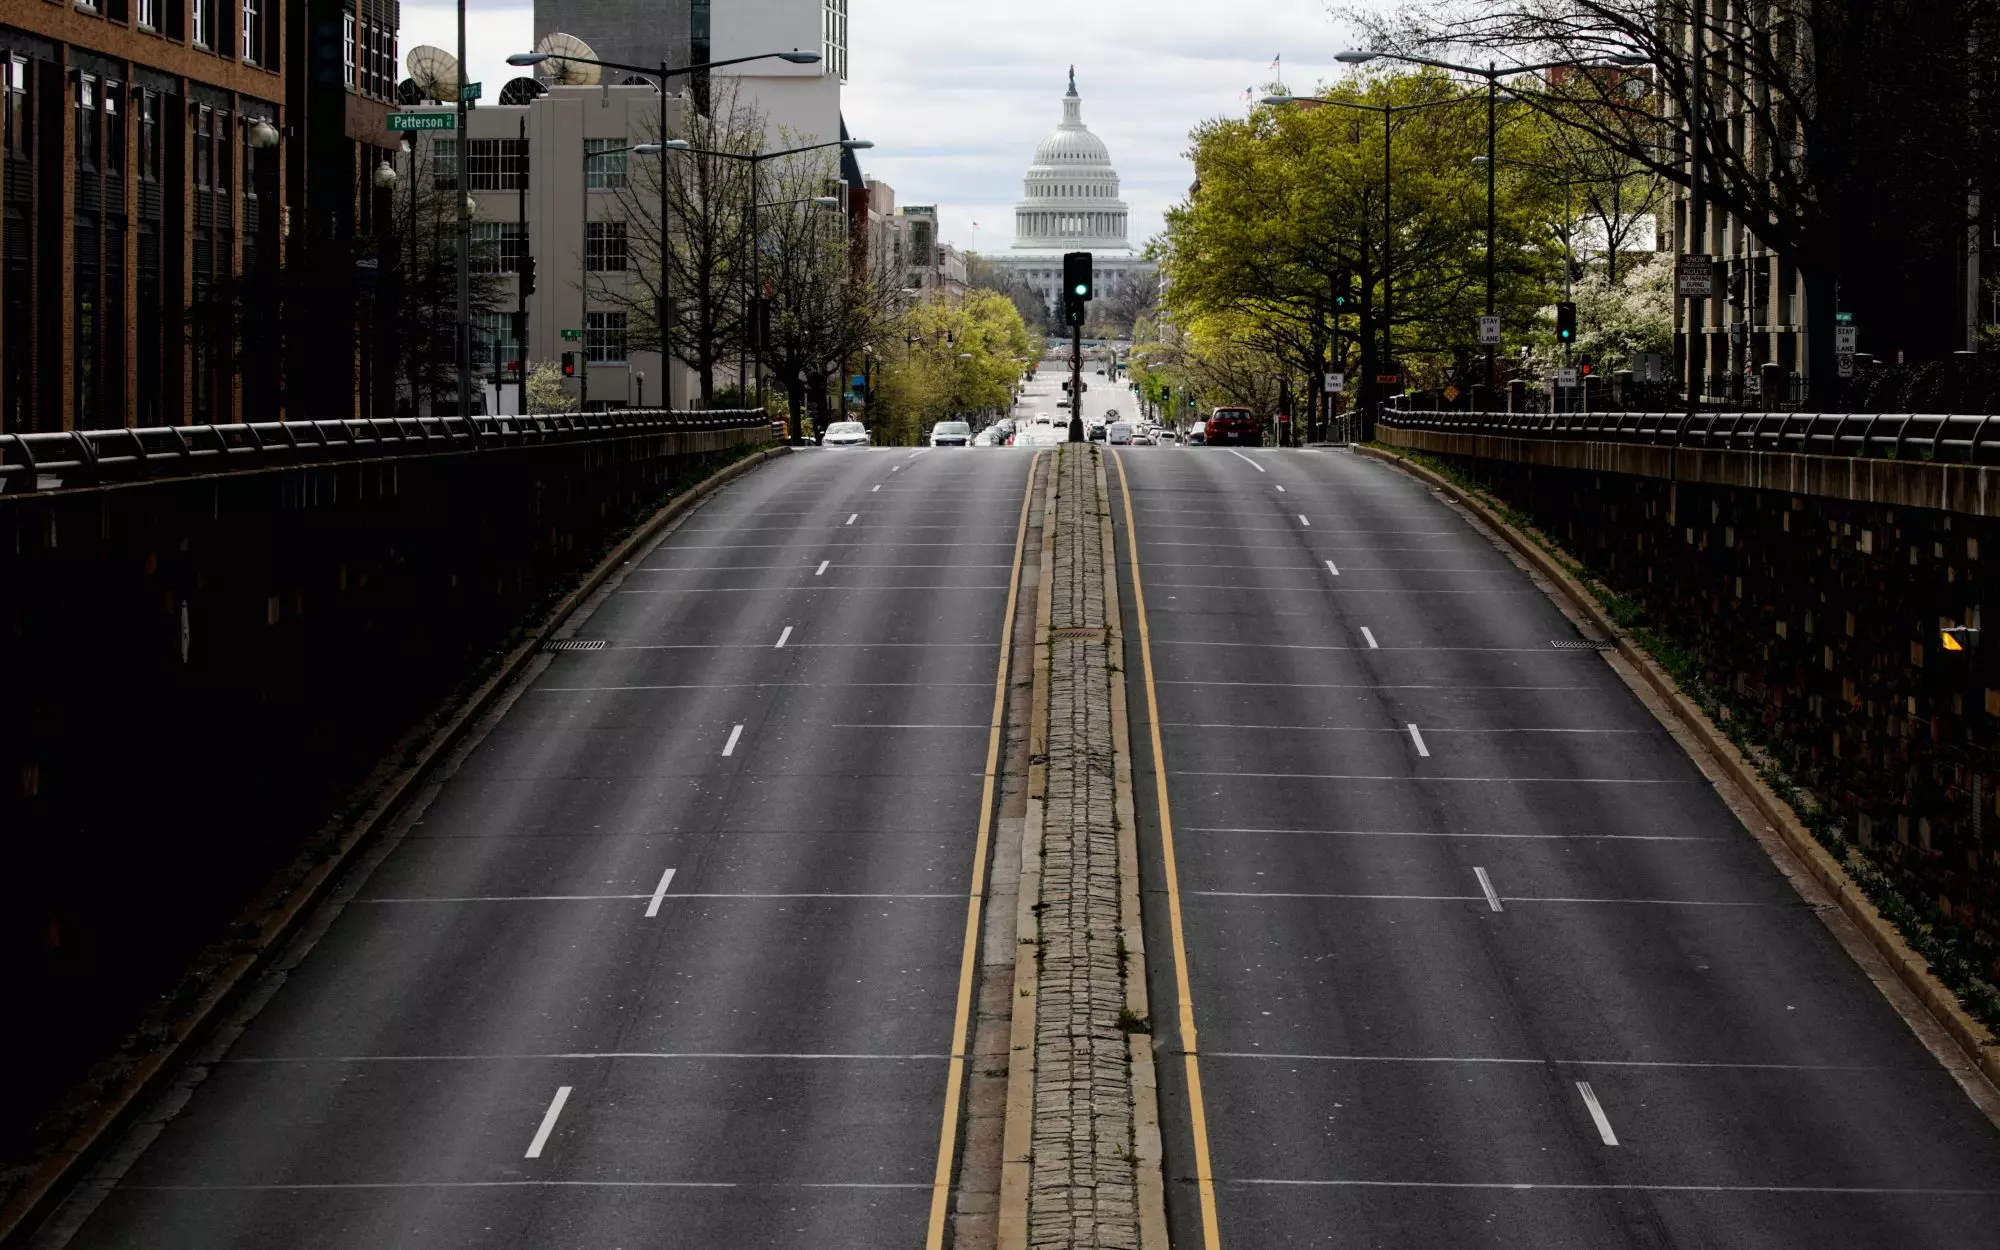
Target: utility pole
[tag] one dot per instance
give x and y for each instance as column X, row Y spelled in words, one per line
column 524, row 280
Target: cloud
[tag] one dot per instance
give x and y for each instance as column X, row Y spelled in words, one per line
column 957, row 93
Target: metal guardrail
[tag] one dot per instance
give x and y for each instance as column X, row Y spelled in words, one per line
column 1962, row 439
column 88, row 457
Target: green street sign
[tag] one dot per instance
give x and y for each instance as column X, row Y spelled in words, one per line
column 572, row 334
column 471, row 92
column 1843, row 318
column 423, row 121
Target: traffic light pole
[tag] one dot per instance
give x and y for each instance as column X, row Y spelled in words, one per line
column 1076, row 384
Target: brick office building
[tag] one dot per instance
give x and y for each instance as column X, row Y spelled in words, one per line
column 150, row 179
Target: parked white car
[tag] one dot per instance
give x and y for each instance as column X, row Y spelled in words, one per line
column 846, row 434
column 1118, row 432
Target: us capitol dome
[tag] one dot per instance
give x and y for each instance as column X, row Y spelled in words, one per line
column 1069, row 203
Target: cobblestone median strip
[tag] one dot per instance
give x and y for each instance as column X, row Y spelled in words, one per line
column 1092, row 1166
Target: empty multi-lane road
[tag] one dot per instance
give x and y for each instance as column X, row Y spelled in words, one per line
column 676, row 953
column 1475, row 954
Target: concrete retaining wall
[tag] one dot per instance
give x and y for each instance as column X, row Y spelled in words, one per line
column 195, row 671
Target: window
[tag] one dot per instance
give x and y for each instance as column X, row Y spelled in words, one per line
column 604, row 337
column 86, row 122
column 16, row 105
column 607, row 172
column 114, row 131
column 204, row 148
column 496, row 164
column 225, row 152
column 604, row 247
column 347, row 48
column 149, row 14
column 444, row 164
column 833, row 38
column 493, row 343
column 149, row 136
column 498, row 246
column 204, row 22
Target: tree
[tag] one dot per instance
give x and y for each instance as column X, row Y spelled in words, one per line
column 707, row 261
column 942, row 360
column 824, row 307
column 983, row 274
column 1288, row 206
column 1823, row 126
column 422, row 301
column 546, row 392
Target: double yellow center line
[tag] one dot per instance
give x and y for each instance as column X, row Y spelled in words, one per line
column 1211, row 1233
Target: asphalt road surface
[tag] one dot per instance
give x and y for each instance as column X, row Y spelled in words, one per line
column 674, row 957
column 1475, row 955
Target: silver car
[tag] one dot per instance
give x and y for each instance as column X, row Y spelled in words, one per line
column 846, row 434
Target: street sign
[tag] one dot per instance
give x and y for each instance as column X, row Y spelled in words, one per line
column 1451, row 394
column 1843, row 364
column 1489, row 330
column 472, row 92
column 572, row 334
column 1843, row 339
column 1694, row 275
column 1336, row 383
column 1565, row 377
column 1843, row 318
column 423, row 121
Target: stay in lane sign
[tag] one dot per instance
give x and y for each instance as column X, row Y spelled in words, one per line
column 423, row 121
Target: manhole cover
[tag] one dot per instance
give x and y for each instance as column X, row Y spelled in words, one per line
column 1080, row 635
column 574, row 644
column 1582, row 644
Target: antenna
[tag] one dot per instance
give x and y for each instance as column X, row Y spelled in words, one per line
column 569, row 61
column 434, row 71
column 521, row 91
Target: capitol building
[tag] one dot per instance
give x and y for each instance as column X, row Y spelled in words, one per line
column 1069, row 203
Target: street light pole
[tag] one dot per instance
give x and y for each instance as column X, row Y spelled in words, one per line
column 460, row 184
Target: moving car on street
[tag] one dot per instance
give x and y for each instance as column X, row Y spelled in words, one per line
column 951, row 434
column 1118, row 433
column 846, row 434
column 1233, row 425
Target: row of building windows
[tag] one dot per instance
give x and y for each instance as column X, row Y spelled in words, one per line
column 368, row 55
column 490, row 164
column 500, row 246
column 495, row 345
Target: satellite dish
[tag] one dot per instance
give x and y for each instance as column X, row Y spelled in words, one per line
column 561, row 68
column 407, row 93
column 521, row 91
column 435, row 72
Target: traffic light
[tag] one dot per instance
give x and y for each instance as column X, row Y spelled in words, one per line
column 1076, row 275
column 527, row 276
column 1343, row 292
column 569, row 364
column 1566, row 322
column 1076, row 287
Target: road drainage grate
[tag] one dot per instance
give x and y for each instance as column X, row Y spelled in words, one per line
column 1078, row 634
column 574, row 644
column 1582, row 644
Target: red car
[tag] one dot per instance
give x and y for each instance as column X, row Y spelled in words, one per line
column 1234, row 425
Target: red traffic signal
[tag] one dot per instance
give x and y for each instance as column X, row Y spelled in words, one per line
column 569, row 364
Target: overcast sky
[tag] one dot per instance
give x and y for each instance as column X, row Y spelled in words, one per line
column 956, row 93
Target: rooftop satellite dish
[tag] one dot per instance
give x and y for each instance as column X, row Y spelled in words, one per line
column 560, row 68
column 434, row 71
column 407, row 93
column 521, row 91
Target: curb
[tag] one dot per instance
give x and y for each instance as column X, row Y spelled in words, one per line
column 1911, row 968
column 1148, row 1169
column 50, row 1183
column 1017, row 1133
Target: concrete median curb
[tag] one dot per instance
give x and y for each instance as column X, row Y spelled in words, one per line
column 1910, row 968
column 277, row 918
